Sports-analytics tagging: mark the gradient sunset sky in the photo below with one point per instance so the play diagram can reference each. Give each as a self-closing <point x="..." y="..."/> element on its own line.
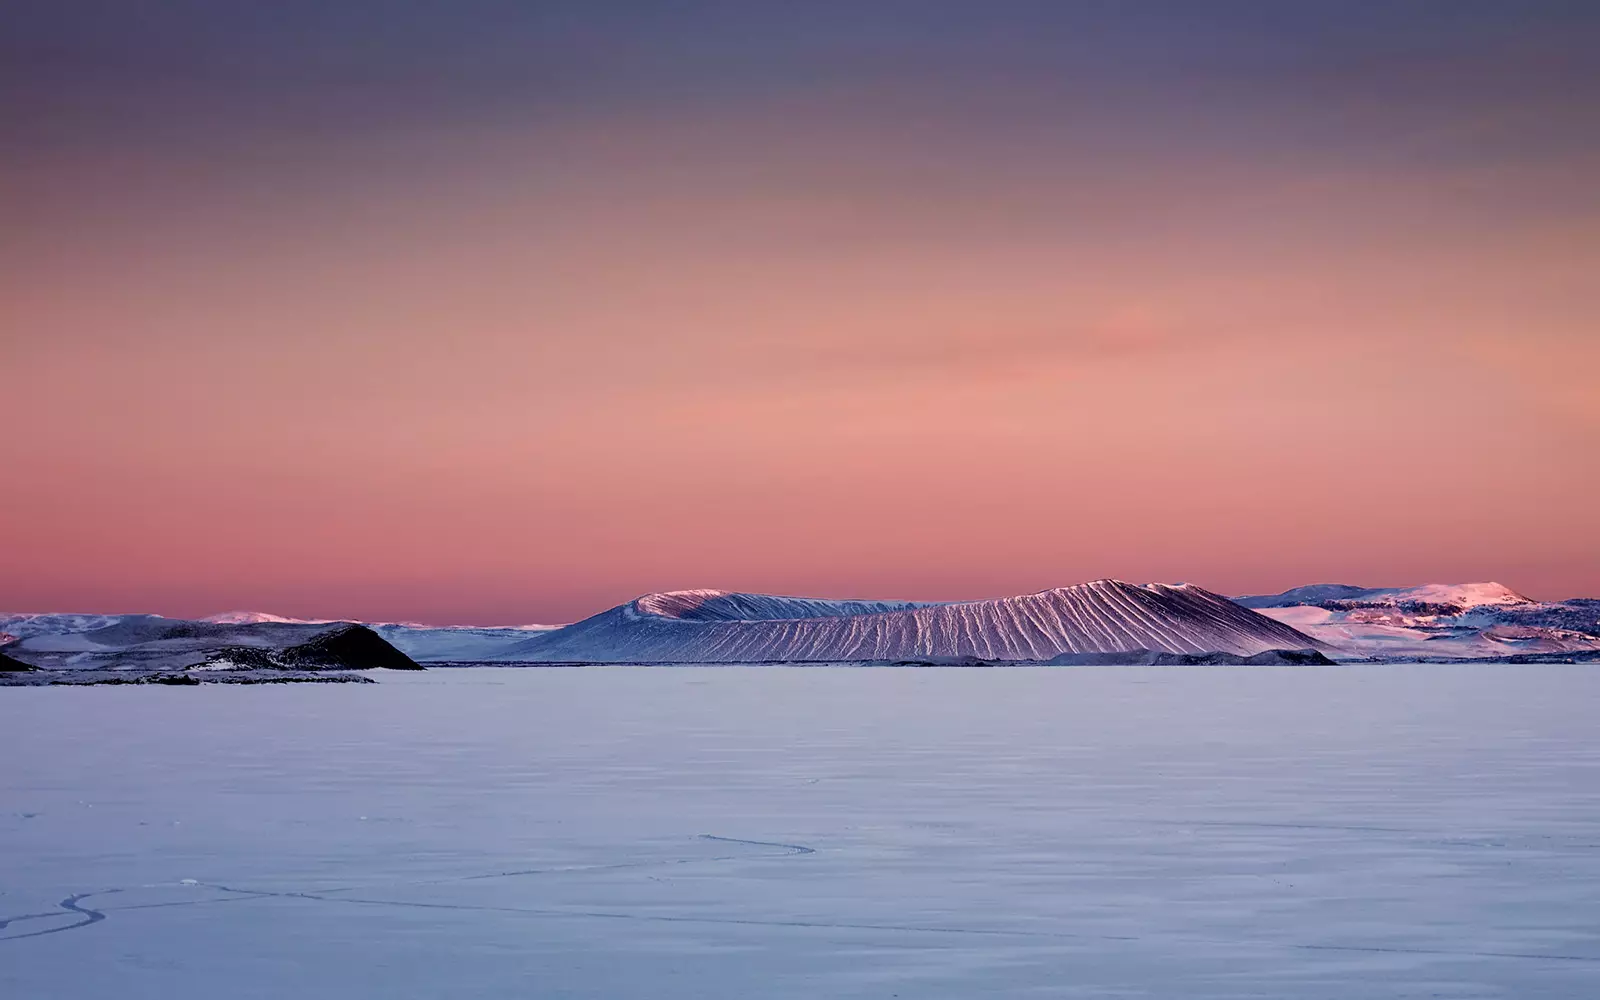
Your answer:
<point x="511" y="311"/>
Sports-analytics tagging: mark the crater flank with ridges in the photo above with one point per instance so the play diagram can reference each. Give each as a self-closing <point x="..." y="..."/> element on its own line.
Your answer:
<point x="1104" y="616"/>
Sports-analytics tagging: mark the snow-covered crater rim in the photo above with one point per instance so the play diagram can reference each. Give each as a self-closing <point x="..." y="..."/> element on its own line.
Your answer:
<point x="724" y="605"/>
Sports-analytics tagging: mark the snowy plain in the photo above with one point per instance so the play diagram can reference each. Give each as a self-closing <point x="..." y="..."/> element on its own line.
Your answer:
<point x="743" y="832"/>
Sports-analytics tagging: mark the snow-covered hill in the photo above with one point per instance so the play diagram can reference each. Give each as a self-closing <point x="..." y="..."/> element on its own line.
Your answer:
<point x="150" y="642"/>
<point x="1434" y="620"/>
<point x="441" y="643"/>
<point x="1104" y="616"/>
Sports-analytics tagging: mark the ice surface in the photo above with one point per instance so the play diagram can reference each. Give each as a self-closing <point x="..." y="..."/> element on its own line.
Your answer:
<point x="1286" y="833"/>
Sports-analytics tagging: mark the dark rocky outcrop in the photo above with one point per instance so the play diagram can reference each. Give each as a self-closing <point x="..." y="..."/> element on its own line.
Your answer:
<point x="9" y="665"/>
<point x="101" y="678"/>
<point x="346" y="647"/>
<point x="1159" y="658"/>
<point x="242" y="658"/>
<point x="340" y="647"/>
<point x="1289" y="657"/>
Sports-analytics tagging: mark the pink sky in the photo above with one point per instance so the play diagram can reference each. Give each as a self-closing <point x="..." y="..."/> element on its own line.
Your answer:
<point x="469" y="373"/>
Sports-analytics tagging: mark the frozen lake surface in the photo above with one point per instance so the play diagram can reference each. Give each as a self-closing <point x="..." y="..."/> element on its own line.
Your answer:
<point x="1359" y="831"/>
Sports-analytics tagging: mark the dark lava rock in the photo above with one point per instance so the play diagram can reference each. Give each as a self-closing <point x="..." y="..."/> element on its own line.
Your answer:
<point x="937" y="661"/>
<point x="1158" y="658"/>
<point x="8" y="665"/>
<point x="1576" y="656"/>
<point x="346" y="647"/>
<point x="245" y="657"/>
<point x="1125" y="658"/>
<point x="1290" y="657"/>
<point x="108" y="678"/>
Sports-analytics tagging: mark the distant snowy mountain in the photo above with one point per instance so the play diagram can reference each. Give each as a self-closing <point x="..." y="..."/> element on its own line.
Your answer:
<point x="1434" y="620"/>
<point x="721" y="627"/>
<point x="1435" y="595"/>
<point x="85" y="639"/>
<point x="460" y="643"/>
<point x="426" y="643"/>
<point x="26" y="626"/>
<point x="69" y="623"/>
<point x="258" y="617"/>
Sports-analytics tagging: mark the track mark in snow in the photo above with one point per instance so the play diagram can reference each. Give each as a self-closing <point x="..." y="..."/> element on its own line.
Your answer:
<point x="791" y="848"/>
<point x="1265" y="825"/>
<point x="72" y="904"/>
<point x="920" y="929"/>
<point x="1382" y="950"/>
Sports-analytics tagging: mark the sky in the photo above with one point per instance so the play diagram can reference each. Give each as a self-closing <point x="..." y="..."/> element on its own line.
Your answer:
<point x="499" y="312"/>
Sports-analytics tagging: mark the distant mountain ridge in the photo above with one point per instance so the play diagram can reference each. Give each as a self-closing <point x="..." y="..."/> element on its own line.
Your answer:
<point x="1435" y="620"/>
<point x="259" y="617"/>
<point x="1457" y="595"/>
<point x="1470" y="620"/>
<point x="420" y="642"/>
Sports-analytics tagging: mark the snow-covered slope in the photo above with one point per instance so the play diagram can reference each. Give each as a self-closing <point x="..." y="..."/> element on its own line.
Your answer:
<point x="723" y="605"/>
<point x="1434" y="620"/>
<point x="23" y="626"/>
<point x="1104" y="616"/>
